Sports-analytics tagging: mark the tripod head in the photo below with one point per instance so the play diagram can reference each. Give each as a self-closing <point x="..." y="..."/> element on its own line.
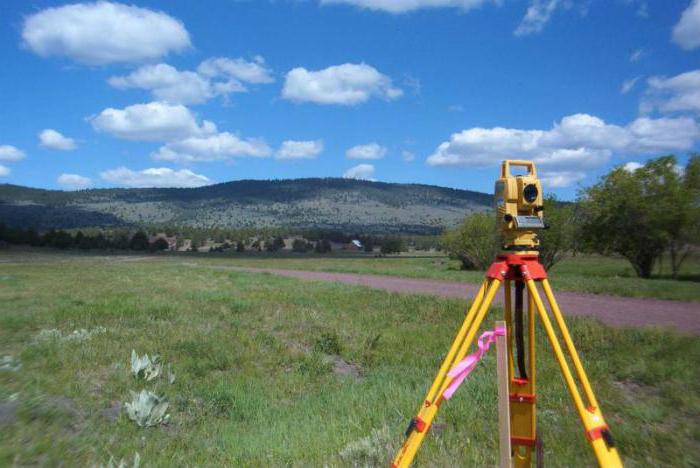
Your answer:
<point x="519" y="206"/>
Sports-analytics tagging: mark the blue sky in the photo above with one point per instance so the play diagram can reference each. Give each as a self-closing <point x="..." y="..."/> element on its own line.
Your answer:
<point x="183" y="93"/>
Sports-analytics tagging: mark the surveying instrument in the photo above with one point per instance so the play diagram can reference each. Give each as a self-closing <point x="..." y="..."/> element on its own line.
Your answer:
<point x="519" y="209"/>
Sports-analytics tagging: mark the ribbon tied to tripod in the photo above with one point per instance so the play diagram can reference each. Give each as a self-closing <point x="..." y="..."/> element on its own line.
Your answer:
<point x="462" y="369"/>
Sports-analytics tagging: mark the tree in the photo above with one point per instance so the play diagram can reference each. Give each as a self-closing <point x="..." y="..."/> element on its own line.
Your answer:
<point x="559" y="239"/>
<point x="323" y="246"/>
<point x="273" y="245"/>
<point x="160" y="244"/>
<point x="301" y="246"/>
<point x="640" y="214"/>
<point x="474" y="243"/>
<point x="139" y="241"/>
<point x="240" y="246"/>
<point x="392" y="245"/>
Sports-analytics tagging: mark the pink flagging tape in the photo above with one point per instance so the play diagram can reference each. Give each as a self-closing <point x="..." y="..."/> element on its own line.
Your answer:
<point x="460" y="371"/>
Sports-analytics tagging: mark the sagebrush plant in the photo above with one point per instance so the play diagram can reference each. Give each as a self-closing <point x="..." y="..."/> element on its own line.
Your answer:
<point x="147" y="409"/>
<point x="123" y="463"/>
<point x="376" y="449"/>
<point x="145" y="367"/>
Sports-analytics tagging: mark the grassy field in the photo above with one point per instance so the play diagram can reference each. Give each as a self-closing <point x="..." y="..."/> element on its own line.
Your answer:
<point x="270" y="372"/>
<point x="584" y="273"/>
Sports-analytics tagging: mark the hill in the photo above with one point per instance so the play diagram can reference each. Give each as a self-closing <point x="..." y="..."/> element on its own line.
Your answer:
<point x="331" y="203"/>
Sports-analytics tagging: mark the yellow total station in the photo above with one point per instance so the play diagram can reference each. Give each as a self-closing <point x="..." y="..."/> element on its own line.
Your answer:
<point x="519" y="206"/>
<point x="521" y="275"/>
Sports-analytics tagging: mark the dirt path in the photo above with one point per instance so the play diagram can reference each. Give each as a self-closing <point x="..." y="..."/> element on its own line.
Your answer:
<point x="613" y="310"/>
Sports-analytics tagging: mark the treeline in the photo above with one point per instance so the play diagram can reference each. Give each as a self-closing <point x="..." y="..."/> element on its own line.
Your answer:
<point x="640" y="214"/>
<point x="62" y="239"/>
<point x="238" y="240"/>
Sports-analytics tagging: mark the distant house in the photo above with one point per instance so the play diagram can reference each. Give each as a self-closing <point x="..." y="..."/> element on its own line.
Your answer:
<point x="186" y="245"/>
<point x="353" y="245"/>
<point x="172" y="241"/>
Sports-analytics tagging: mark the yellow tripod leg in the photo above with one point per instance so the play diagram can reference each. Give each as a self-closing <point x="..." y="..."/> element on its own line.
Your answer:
<point x="591" y="417"/>
<point x="421" y="423"/>
<point x="522" y="396"/>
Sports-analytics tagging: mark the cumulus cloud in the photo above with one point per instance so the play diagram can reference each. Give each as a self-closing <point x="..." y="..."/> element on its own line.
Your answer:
<point x="403" y="6"/>
<point x="255" y="71"/>
<point x="73" y="181"/>
<point x="155" y="121"/>
<point x="368" y="151"/>
<point x="686" y="33"/>
<point x="104" y="32"/>
<point x="676" y="94"/>
<point x="167" y="84"/>
<point x="214" y="77"/>
<point x="213" y="147"/>
<point x="361" y="171"/>
<point x="293" y="149"/>
<point x="537" y="16"/>
<point x="154" y="177"/>
<point x="347" y="84"/>
<point x="4" y="171"/>
<point x="9" y="153"/>
<point x="408" y="156"/>
<point x="628" y="85"/>
<point x="50" y="138"/>
<point x="574" y="145"/>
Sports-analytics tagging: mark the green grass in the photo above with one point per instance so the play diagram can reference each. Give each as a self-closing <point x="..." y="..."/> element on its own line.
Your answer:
<point x="255" y="387"/>
<point x="584" y="273"/>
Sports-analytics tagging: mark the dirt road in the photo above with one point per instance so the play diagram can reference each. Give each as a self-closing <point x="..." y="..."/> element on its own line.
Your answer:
<point x="613" y="310"/>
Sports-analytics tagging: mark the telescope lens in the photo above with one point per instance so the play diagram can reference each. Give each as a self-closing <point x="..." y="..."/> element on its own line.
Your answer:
<point x="530" y="193"/>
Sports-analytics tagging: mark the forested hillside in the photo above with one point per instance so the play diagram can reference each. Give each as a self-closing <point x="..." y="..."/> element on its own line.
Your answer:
<point x="342" y="204"/>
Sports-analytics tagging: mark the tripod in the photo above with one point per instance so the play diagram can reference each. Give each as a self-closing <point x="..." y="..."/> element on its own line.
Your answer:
<point x="524" y="271"/>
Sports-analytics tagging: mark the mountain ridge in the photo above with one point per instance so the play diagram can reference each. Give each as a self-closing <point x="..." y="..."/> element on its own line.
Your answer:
<point x="326" y="203"/>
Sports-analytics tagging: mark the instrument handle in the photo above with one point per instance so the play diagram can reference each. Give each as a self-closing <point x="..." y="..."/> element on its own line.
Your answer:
<point x="505" y="167"/>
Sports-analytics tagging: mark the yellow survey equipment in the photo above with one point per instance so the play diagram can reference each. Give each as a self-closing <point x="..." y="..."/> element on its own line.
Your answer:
<point x="519" y="206"/>
<point x="517" y="269"/>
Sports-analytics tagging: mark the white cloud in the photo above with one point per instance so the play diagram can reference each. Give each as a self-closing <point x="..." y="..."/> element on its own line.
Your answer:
<point x="4" y="171"/>
<point x="368" y="151"/>
<point x="9" y="153"/>
<point x="347" y="84"/>
<point x="361" y="171"/>
<point x="537" y="16"/>
<point x="636" y="55"/>
<point x="686" y="33"/>
<point x="154" y="177"/>
<point x="573" y="146"/>
<point x="213" y="147"/>
<point x="255" y="72"/>
<point x="403" y="6"/>
<point x="73" y="181"/>
<point x="407" y="156"/>
<point x="632" y="166"/>
<point x="103" y="32"/>
<point x="628" y="85"/>
<point x="559" y="179"/>
<point x="155" y="121"/>
<point x="293" y="149"/>
<point x="676" y="94"/>
<point x="167" y="84"/>
<point x="214" y="77"/>
<point x="50" y="138"/>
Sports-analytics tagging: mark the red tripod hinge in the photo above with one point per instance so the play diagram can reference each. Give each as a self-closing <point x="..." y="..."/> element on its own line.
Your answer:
<point x="522" y="397"/>
<point x="518" y="381"/>
<point x="596" y="432"/>
<point x="420" y="425"/>
<point x="526" y="441"/>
